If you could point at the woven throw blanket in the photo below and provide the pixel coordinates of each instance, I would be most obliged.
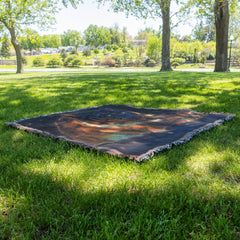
(136, 133)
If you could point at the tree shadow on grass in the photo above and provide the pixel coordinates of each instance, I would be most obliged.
(43, 206)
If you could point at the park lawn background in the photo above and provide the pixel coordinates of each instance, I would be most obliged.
(52, 190)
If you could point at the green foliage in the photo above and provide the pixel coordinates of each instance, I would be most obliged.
(205, 33)
(68, 60)
(175, 64)
(150, 62)
(31, 40)
(86, 52)
(195, 57)
(5, 49)
(105, 51)
(145, 35)
(71, 38)
(140, 51)
(115, 35)
(192, 50)
(97, 62)
(96, 50)
(115, 47)
(138, 62)
(38, 62)
(97, 36)
(118, 52)
(125, 50)
(119, 60)
(63, 54)
(24, 60)
(154, 48)
(73, 61)
(109, 47)
(17, 14)
(54, 62)
(234, 25)
(178, 60)
(51, 41)
(126, 59)
(74, 51)
(77, 62)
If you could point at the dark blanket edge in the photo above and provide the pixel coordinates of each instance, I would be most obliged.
(187, 137)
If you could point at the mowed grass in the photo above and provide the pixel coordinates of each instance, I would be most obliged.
(53, 190)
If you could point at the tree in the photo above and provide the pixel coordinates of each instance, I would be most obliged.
(115, 35)
(205, 32)
(51, 41)
(97, 36)
(124, 35)
(221, 10)
(154, 48)
(234, 25)
(31, 41)
(144, 9)
(15, 15)
(144, 35)
(5, 49)
(72, 38)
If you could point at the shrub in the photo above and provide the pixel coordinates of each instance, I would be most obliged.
(63, 54)
(150, 62)
(54, 62)
(105, 52)
(86, 52)
(76, 62)
(74, 51)
(38, 62)
(118, 52)
(109, 61)
(24, 60)
(126, 59)
(97, 62)
(138, 62)
(175, 64)
(119, 60)
(96, 50)
(178, 60)
(130, 63)
(109, 48)
(203, 59)
(115, 46)
(125, 50)
(68, 60)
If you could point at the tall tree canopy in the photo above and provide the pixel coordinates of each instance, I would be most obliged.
(147, 8)
(97, 36)
(72, 38)
(16, 15)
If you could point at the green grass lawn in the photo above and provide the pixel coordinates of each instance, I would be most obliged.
(52, 190)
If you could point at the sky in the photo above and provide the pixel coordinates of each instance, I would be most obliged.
(88, 13)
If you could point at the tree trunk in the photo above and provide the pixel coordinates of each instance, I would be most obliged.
(165, 8)
(17, 48)
(221, 12)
